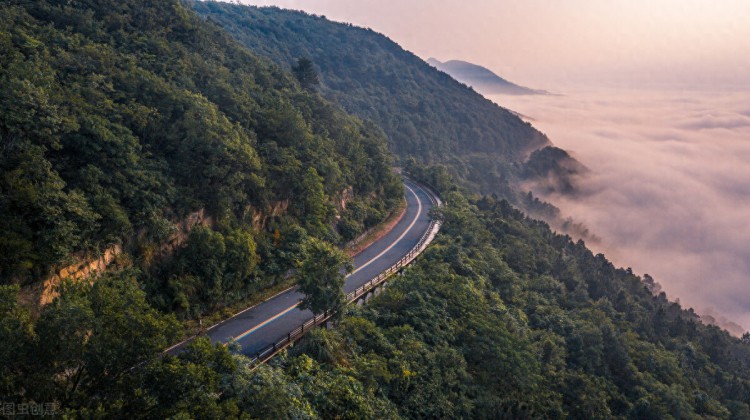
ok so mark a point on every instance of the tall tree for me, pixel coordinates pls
(321, 277)
(312, 203)
(305, 73)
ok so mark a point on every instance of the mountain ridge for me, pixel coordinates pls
(426, 114)
(118, 116)
(482, 78)
(115, 146)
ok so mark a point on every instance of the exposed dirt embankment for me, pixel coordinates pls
(261, 217)
(87, 267)
(79, 270)
(360, 243)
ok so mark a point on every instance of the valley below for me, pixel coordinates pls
(669, 191)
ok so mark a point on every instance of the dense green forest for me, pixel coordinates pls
(425, 113)
(501, 318)
(119, 118)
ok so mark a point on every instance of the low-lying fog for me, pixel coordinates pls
(669, 193)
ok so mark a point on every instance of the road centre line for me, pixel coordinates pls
(285, 311)
(264, 323)
(413, 222)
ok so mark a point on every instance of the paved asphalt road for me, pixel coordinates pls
(268, 322)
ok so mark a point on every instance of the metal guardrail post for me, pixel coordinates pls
(360, 291)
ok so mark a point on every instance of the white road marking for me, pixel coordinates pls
(419, 212)
(264, 323)
(408, 229)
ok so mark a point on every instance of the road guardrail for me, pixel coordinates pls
(272, 349)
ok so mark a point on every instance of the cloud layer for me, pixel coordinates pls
(670, 190)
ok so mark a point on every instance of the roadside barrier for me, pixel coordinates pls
(268, 352)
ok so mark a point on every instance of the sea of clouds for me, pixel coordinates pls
(669, 191)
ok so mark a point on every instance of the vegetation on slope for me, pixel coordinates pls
(424, 112)
(119, 118)
(500, 318)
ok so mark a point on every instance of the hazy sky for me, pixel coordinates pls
(670, 189)
(669, 192)
(552, 43)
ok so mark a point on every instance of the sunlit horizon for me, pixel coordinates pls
(667, 44)
(653, 100)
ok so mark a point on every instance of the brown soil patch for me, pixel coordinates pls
(368, 238)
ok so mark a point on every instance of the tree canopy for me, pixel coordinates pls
(305, 73)
(120, 119)
(424, 112)
(320, 277)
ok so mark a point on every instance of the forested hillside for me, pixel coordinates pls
(501, 318)
(119, 118)
(424, 112)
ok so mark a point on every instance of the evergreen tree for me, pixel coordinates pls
(320, 277)
(305, 73)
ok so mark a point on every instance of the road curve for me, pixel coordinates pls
(259, 326)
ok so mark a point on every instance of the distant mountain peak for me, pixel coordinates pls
(481, 78)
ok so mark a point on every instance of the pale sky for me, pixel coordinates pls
(551, 44)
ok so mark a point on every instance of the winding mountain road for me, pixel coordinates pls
(266, 323)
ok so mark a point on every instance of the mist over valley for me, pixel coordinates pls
(669, 188)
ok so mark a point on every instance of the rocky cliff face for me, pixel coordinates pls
(88, 267)
(346, 195)
(261, 217)
(78, 271)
